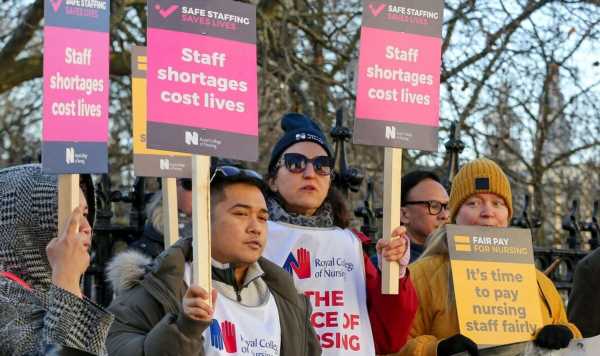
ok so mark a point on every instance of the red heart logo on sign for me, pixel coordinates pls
(166, 12)
(376, 10)
(55, 4)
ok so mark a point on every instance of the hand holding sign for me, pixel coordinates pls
(394, 249)
(554, 337)
(195, 304)
(68, 254)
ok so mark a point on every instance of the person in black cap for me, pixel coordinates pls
(309, 237)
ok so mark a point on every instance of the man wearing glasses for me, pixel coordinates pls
(256, 310)
(424, 208)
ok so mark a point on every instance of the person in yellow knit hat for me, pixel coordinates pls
(480, 195)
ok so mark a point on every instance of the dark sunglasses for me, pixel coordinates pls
(227, 172)
(297, 163)
(433, 206)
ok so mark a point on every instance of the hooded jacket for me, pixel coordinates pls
(436, 321)
(152, 241)
(149, 319)
(34, 313)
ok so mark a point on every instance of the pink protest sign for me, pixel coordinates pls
(398, 80)
(202, 86)
(76, 87)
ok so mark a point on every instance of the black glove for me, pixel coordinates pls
(455, 344)
(554, 337)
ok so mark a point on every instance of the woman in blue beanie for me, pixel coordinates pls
(310, 238)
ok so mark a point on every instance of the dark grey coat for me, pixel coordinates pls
(149, 321)
(584, 302)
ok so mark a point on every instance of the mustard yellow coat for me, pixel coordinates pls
(436, 321)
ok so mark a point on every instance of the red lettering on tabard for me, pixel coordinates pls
(351, 321)
(330, 340)
(333, 298)
(324, 319)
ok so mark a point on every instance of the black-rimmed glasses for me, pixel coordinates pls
(433, 206)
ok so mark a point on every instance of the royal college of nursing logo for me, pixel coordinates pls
(223, 335)
(300, 263)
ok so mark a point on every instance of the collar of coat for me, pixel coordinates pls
(163, 278)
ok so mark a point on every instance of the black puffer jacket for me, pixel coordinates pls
(148, 313)
(584, 302)
(33, 318)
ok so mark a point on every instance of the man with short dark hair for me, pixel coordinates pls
(255, 310)
(424, 204)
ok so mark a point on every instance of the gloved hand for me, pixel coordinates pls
(455, 344)
(554, 337)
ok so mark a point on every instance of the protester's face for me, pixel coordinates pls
(483, 209)
(416, 217)
(85, 230)
(303, 193)
(239, 225)
(184, 200)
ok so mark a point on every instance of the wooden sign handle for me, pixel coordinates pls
(170, 211)
(391, 215)
(201, 221)
(68, 198)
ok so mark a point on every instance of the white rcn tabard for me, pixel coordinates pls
(327, 266)
(240, 330)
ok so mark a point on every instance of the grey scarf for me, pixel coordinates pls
(323, 217)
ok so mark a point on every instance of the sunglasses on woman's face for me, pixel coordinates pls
(297, 163)
(230, 172)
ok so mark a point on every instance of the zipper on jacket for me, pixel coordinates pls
(231, 276)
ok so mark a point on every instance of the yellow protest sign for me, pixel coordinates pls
(150, 162)
(495, 284)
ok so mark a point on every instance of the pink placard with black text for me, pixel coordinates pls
(398, 76)
(202, 78)
(76, 87)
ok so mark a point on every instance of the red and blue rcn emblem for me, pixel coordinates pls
(223, 335)
(300, 263)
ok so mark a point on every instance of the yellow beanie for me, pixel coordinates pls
(479, 176)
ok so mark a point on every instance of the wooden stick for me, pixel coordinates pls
(170, 212)
(201, 221)
(552, 267)
(68, 198)
(391, 215)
